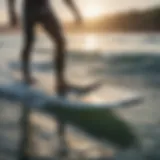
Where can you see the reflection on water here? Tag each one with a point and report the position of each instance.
(109, 42)
(90, 43)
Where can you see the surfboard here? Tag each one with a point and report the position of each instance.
(36, 98)
(96, 119)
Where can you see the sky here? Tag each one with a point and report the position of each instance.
(91, 8)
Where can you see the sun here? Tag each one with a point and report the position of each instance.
(92, 11)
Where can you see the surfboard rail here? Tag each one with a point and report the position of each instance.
(35, 98)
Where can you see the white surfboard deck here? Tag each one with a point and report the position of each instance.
(36, 98)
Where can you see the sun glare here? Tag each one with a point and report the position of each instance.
(92, 11)
(90, 43)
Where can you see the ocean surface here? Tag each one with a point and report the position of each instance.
(126, 64)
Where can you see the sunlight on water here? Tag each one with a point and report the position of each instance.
(91, 43)
(107, 43)
(115, 42)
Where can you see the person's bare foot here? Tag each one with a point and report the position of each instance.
(82, 89)
(61, 89)
(65, 88)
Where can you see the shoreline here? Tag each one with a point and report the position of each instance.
(6, 29)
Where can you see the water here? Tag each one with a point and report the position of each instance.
(139, 42)
(115, 42)
(135, 56)
(126, 63)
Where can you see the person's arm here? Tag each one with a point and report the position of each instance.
(74, 9)
(12, 12)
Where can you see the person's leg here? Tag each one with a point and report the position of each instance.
(28, 34)
(54, 30)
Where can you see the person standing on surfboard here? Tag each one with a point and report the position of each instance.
(40, 11)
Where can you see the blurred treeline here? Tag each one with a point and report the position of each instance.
(132, 21)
